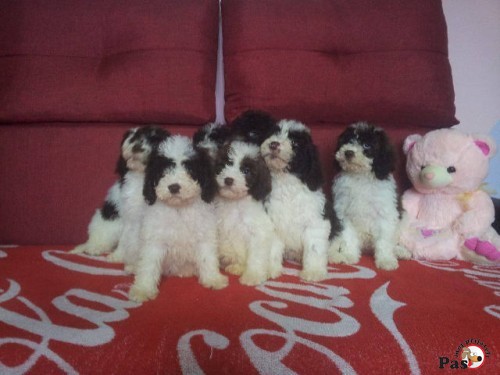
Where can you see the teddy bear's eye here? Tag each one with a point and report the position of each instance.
(422, 167)
(451, 169)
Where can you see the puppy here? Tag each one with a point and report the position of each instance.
(365, 197)
(211, 138)
(252, 126)
(248, 244)
(106, 225)
(296, 203)
(136, 151)
(179, 232)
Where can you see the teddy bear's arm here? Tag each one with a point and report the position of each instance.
(479, 214)
(410, 202)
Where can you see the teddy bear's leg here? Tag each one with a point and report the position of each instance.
(483, 250)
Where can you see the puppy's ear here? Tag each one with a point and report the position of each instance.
(121, 167)
(260, 184)
(306, 165)
(153, 174)
(201, 169)
(384, 161)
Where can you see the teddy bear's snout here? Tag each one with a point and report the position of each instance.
(435, 176)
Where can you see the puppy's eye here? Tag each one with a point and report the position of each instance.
(245, 170)
(252, 135)
(294, 143)
(229, 163)
(366, 146)
(451, 169)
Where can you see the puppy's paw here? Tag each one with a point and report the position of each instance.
(313, 274)
(80, 249)
(275, 271)
(343, 257)
(115, 257)
(235, 269)
(215, 282)
(141, 294)
(387, 263)
(402, 252)
(130, 269)
(252, 279)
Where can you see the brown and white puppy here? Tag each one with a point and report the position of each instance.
(106, 227)
(248, 244)
(179, 232)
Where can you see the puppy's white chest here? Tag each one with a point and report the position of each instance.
(364, 199)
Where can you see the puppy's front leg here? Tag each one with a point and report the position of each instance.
(315, 257)
(148, 273)
(256, 263)
(208, 265)
(346, 248)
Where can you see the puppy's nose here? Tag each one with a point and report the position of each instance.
(228, 181)
(274, 145)
(349, 154)
(174, 188)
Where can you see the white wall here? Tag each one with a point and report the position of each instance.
(474, 50)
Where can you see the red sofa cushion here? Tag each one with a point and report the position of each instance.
(126, 61)
(339, 61)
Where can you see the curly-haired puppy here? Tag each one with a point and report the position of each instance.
(252, 126)
(105, 228)
(248, 244)
(365, 197)
(179, 230)
(211, 138)
(296, 203)
(136, 154)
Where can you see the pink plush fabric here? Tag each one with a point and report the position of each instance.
(339, 61)
(448, 214)
(108, 61)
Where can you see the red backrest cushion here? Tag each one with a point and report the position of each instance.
(339, 61)
(105, 60)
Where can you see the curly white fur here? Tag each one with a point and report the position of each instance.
(179, 228)
(295, 210)
(248, 244)
(366, 205)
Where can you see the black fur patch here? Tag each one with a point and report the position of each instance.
(253, 127)
(376, 146)
(155, 170)
(109, 211)
(305, 163)
(330, 215)
(201, 170)
(257, 177)
(219, 135)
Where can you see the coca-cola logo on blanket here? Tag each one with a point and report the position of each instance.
(68, 313)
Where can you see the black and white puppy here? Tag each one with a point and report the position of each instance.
(248, 244)
(365, 197)
(296, 203)
(106, 225)
(212, 137)
(252, 126)
(179, 230)
(137, 149)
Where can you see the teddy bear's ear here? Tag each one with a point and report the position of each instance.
(410, 142)
(486, 144)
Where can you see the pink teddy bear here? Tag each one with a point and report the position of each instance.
(447, 214)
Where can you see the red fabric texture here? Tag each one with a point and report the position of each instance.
(64, 313)
(339, 61)
(106, 60)
(54, 177)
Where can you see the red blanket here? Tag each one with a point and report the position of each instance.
(65, 313)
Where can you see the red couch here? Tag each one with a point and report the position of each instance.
(75, 75)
